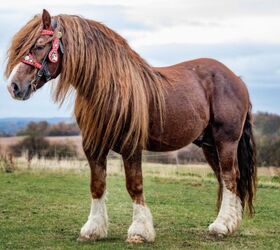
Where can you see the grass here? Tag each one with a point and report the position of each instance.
(45, 210)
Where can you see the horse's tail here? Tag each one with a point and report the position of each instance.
(247, 165)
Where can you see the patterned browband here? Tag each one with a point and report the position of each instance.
(52, 55)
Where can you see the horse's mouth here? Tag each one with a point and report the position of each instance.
(27, 93)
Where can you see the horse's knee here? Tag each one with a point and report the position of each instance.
(135, 190)
(98, 180)
(229, 178)
(97, 188)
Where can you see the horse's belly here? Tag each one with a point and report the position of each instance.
(175, 141)
(178, 132)
(186, 117)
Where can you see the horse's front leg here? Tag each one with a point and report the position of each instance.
(142, 228)
(96, 226)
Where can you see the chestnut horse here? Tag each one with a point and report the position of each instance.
(124, 104)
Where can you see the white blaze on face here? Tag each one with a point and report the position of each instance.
(13, 73)
(11, 77)
(230, 214)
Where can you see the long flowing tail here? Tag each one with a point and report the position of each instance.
(247, 165)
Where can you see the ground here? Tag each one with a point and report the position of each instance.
(45, 209)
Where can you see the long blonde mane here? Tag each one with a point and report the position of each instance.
(114, 86)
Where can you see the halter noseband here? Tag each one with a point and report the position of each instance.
(52, 55)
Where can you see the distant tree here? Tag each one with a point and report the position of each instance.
(269, 154)
(267, 131)
(40, 147)
(32, 145)
(45, 129)
(35, 129)
(63, 129)
(61, 151)
(267, 124)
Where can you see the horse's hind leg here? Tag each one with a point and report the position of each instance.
(142, 228)
(230, 214)
(96, 226)
(211, 155)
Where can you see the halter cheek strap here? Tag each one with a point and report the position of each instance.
(52, 55)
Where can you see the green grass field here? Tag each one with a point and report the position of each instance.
(45, 210)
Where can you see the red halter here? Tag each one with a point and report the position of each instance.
(29, 59)
(53, 54)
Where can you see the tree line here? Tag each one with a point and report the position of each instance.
(45, 129)
(266, 130)
(267, 133)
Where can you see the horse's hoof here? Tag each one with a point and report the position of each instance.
(91, 234)
(135, 239)
(92, 237)
(218, 229)
(92, 231)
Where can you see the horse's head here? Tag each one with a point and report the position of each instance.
(41, 64)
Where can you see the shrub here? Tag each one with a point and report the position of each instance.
(32, 145)
(269, 153)
(40, 147)
(61, 151)
(6, 164)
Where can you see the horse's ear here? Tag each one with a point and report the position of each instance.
(46, 19)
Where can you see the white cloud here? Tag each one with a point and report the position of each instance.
(243, 34)
(242, 30)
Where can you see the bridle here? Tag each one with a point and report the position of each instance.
(52, 55)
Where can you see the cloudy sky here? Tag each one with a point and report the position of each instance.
(243, 34)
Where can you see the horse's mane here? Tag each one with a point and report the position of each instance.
(114, 85)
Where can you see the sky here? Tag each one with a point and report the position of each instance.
(242, 34)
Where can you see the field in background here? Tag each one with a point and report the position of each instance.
(191, 153)
(44, 207)
(266, 175)
(187, 156)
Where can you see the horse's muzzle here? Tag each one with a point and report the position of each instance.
(18, 92)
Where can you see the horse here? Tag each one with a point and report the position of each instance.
(125, 105)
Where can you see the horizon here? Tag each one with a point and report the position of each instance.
(242, 36)
(72, 117)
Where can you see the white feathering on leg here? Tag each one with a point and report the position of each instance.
(142, 224)
(230, 214)
(97, 224)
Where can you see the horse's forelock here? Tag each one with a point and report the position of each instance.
(22, 42)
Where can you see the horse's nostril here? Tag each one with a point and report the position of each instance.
(15, 87)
